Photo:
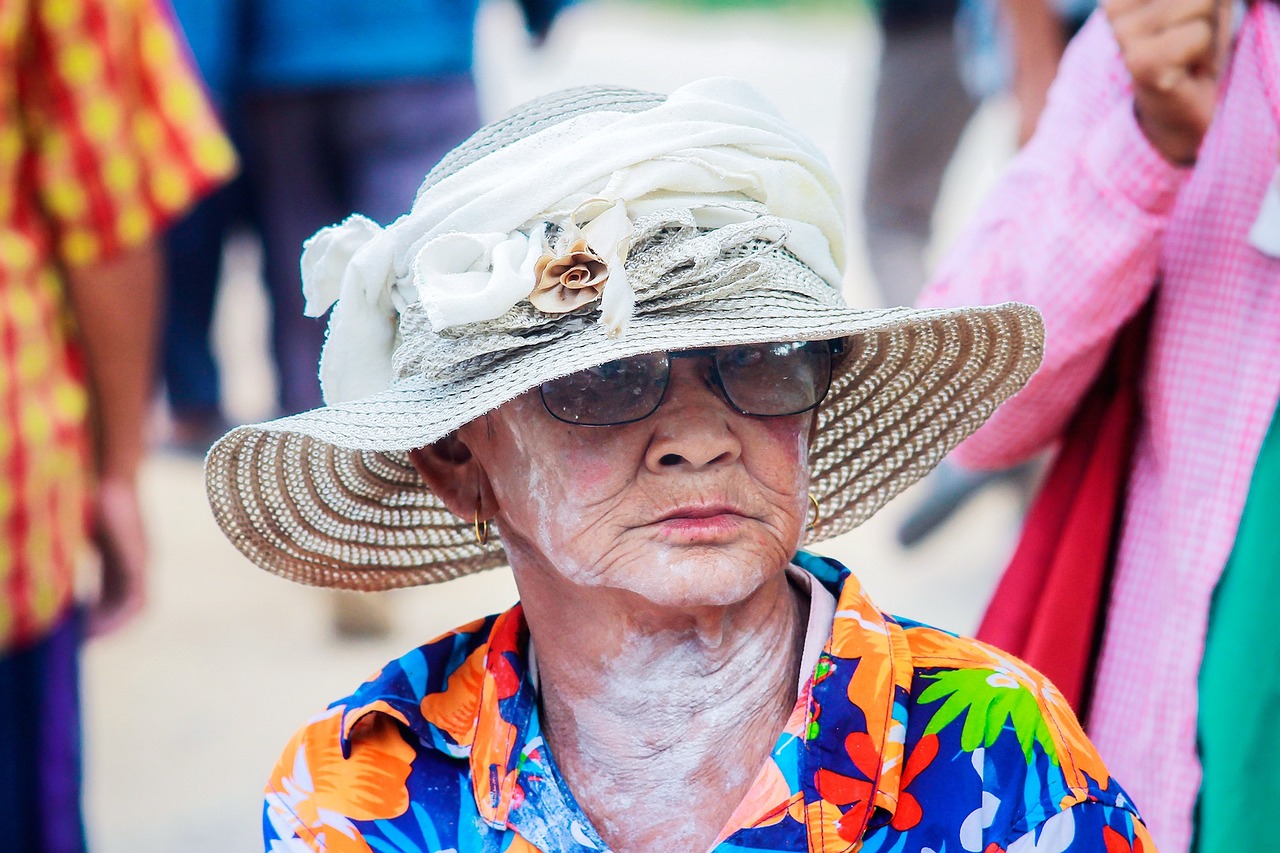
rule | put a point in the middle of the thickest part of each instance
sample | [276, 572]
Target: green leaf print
[989, 701]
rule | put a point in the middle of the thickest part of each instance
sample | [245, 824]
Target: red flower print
[908, 813]
[1117, 843]
[840, 789]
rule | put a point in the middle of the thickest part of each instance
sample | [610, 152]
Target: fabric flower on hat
[609, 234]
[466, 278]
[569, 281]
[594, 259]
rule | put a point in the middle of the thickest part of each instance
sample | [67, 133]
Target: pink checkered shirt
[1086, 220]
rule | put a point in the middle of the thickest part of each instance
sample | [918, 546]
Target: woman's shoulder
[426, 669]
[426, 692]
[1003, 723]
[959, 739]
[988, 696]
[349, 768]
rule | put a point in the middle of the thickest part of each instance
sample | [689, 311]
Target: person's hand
[122, 549]
[1175, 51]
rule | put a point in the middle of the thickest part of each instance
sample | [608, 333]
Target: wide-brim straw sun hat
[692, 220]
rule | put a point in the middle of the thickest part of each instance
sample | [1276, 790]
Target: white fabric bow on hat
[351, 264]
[468, 248]
[465, 278]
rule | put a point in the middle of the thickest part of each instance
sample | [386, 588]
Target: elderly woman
[607, 346]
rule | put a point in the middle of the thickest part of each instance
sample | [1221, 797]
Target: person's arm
[123, 142]
[1037, 41]
[1074, 228]
[115, 303]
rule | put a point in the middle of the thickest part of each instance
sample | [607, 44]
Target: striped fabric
[105, 135]
[1087, 219]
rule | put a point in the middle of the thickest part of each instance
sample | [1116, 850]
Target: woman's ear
[451, 471]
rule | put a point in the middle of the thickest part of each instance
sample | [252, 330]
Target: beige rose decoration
[569, 281]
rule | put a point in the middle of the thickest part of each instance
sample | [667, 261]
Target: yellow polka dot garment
[105, 136]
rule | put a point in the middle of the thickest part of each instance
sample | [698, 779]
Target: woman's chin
[691, 577]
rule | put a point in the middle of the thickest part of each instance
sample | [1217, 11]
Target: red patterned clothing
[904, 737]
[104, 137]
[1087, 219]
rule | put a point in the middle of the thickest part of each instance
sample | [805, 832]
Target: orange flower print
[315, 794]
[845, 791]
[1070, 748]
[870, 689]
[453, 710]
[859, 626]
[836, 788]
[864, 753]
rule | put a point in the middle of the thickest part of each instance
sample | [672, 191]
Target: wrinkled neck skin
[660, 717]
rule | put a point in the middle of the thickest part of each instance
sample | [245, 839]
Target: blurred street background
[187, 709]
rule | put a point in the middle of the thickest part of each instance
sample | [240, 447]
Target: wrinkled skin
[650, 559]
[590, 505]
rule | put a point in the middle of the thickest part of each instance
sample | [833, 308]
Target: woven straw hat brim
[330, 497]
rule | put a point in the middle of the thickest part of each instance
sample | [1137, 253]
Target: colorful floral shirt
[905, 738]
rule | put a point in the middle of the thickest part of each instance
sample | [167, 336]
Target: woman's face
[695, 505]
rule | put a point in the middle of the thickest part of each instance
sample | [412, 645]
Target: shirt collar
[467, 695]
[855, 733]
[506, 704]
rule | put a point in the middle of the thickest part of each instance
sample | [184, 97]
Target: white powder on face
[548, 515]
[576, 504]
[661, 719]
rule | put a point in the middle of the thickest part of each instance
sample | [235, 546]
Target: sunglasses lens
[615, 393]
[775, 379]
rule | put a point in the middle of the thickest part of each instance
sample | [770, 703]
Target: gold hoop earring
[817, 513]
[480, 526]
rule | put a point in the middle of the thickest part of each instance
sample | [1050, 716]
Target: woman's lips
[700, 511]
[702, 523]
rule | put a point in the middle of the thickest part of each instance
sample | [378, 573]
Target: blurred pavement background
[187, 710]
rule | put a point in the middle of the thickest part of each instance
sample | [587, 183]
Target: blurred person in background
[340, 102]
[1153, 179]
[344, 105]
[104, 137]
[194, 245]
[939, 60]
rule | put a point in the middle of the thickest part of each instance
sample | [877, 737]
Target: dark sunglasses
[762, 380]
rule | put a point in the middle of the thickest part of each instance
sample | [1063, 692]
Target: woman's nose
[693, 428]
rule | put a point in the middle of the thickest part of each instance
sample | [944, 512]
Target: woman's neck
[660, 720]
